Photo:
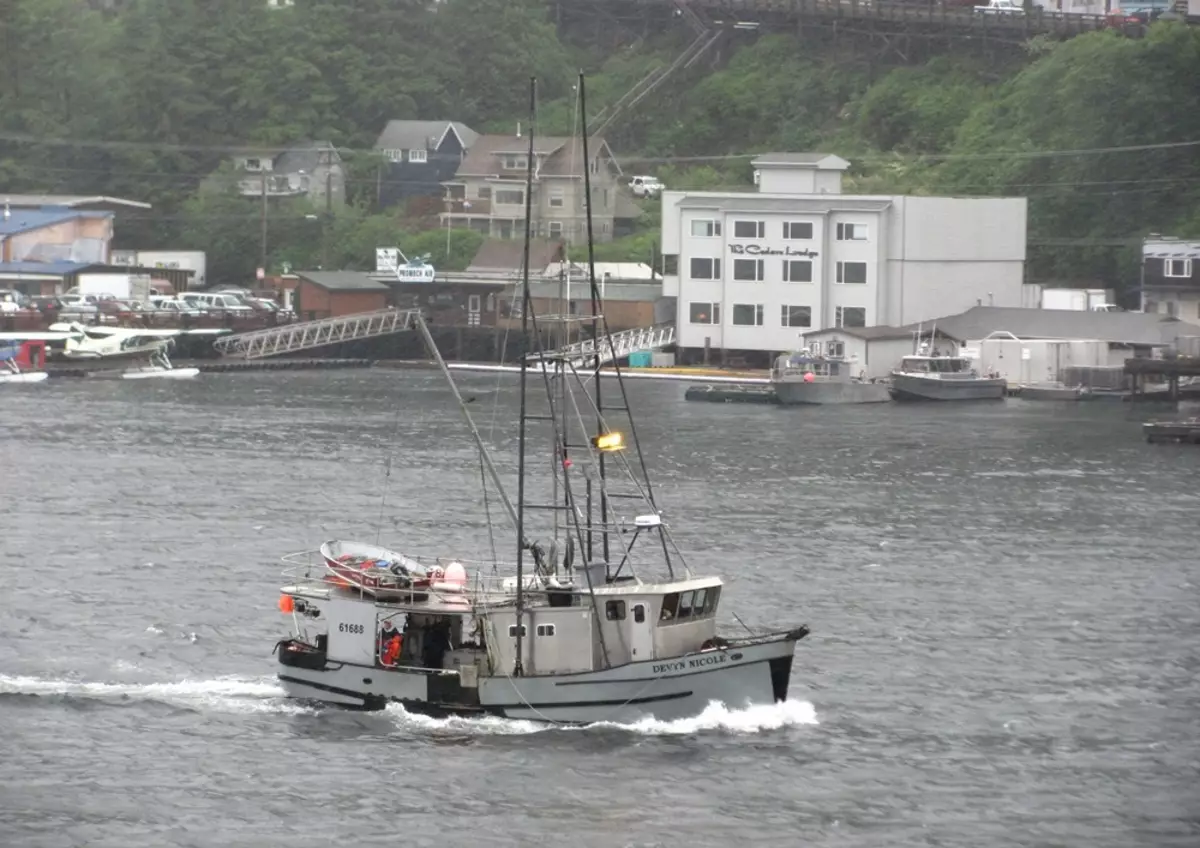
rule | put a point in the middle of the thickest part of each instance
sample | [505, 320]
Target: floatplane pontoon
[598, 618]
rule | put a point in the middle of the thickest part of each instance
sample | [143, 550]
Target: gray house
[311, 169]
[420, 156]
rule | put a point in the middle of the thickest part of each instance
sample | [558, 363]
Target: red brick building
[327, 294]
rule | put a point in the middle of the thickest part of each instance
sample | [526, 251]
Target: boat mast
[527, 306]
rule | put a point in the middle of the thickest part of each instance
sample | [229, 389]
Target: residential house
[310, 169]
[487, 192]
[755, 270]
[420, 155]
[1021, 344]
[1171, 277]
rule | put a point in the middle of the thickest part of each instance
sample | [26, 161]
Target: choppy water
[1003, 600]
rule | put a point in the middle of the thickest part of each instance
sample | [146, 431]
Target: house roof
[1124, 327]
[616, 292]
[613, 270]
[24, 220]
[71, 201]
[880, 332]
[501, 255]
[1170, 249]
[409, 135]
[563, 155]
[817, 161]
[754, 202]
[343, 281]
[59, 268]
[304, 156]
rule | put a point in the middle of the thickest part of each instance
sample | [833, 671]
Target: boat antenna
[601, 335]
[527, 306]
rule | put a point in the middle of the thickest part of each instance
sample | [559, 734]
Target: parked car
[643, 186]
[1001, 7]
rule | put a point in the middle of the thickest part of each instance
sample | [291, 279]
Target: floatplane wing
[38, 336]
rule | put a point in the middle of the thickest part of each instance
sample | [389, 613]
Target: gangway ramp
[614, 346]
[306, 335]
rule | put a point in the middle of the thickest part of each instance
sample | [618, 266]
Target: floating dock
[732, 393]
[80, 370]
[1173, 432]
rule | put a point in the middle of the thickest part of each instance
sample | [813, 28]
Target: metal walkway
[289, 338]
[625, 342]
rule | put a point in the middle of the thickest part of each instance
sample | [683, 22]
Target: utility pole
[262, 261]
[328, 215]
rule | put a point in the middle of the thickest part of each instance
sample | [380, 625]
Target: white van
[211, 302]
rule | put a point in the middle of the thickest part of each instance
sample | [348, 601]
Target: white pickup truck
[1001, 7]
[642, 186]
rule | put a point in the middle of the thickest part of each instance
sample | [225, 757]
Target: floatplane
[89, 343]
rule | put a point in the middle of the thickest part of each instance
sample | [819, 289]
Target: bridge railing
[290, 338]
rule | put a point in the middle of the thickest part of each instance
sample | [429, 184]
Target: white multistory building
[755, 270]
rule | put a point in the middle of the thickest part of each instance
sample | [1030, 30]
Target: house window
[749, 229]
[473, 303]
[832, 348]
[797, 230]
[509, 197]
[555, 228]
[512, 630]
[851, 232]
[556, 198]
[545, 630]
[484, 193]
[706, 269]
[797, 270]
[706, 229]
[418, 154]
[851, 316]
[670, 264]
[795, 316]
[704, 313]
[748, 314]
[748, 270]
[852, 272]
[512, 162]
[1177, 267]
[253, 165]
[614, 610]
[394, 155]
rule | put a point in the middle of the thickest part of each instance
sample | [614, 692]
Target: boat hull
[24, 377]
[799, 393]
[741, 674]
[1054, 393]
[910, 387]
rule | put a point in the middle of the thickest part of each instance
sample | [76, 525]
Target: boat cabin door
[641, 633]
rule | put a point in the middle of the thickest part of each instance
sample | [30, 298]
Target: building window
[706, 229]
[748, 270]
[614, 610]
[851, 316]
[555, 228]
[472, 303]
[484, 192]
[418, 154]
[704, 313]
[749, 229]
[795, 316]
[748, 314]
[394, 155]
[851, 232]
[556, 198]
[797, 230]
[509, 197]
[253, 165]
[512, 162]
[837, 349]
[545, 630]
[512, 630]
[1177, 267]
[670, 264]
[797, 270]
[706, 269]
[852, 272]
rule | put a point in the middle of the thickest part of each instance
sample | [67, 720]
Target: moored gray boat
[932, 375]
[803, 378]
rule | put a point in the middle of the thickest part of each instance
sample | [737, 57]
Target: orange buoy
[286, 604]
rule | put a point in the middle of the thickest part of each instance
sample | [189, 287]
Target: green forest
[1101, 132]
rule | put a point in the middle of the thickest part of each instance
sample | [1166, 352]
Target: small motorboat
[374, 570]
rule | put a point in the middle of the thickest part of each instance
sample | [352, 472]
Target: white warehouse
[755, 271]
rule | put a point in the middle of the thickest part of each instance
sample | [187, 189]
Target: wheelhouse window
[706, 229]
[704, 313]
[614, 610]
[798, 230]
[679, 607]
[706, 269]
[639, 613]
[545, 629]
[512, 631]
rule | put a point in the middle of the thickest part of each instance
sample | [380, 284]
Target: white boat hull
[745, 673]
[24, 377]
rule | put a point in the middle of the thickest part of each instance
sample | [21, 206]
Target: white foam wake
[226, 693]
[716, 717]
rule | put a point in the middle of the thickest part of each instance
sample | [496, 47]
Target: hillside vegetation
[147, 102]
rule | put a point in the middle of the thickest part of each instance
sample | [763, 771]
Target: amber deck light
[609, 442]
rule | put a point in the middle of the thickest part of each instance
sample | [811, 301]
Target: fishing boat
[808, 377]
[596, 617]
[930, 374]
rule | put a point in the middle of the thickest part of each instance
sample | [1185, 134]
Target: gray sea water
[1003, 601]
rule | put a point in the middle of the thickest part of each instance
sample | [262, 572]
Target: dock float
[1173, 432]
[732, 393]
[221, 366]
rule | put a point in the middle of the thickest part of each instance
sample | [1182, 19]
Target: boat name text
[683, 665]
[760, 250]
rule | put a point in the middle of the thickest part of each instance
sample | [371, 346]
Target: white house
[754, 271]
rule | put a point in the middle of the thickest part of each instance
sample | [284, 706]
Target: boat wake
[227, 694]
[715, 718]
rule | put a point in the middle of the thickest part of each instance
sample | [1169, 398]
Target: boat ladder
[581, 354]
[289, 338]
